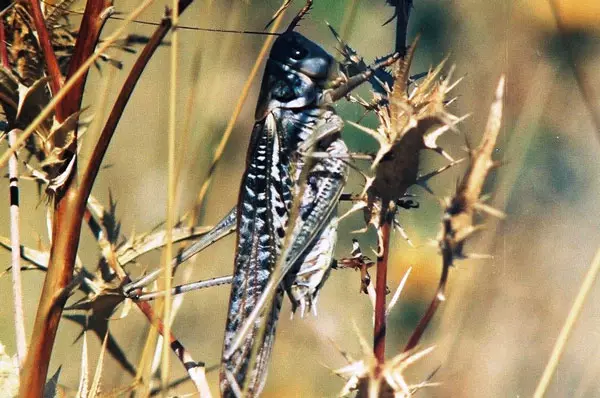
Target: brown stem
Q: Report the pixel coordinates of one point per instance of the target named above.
(89, 32)
(3, 49)
(437, 299)
(65, 238)
(68, 214)
(49, 55)
(93, 166)
(380, 291)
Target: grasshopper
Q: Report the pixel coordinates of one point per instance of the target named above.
(285, 219)
(292, 118)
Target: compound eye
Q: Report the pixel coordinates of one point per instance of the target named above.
(298, 53)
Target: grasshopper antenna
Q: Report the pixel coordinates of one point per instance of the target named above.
(296, 19)
(115, 16)
(301, 14)
(281, 9)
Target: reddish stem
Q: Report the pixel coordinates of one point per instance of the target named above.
(87, 38)
(437, 299)
(3, 49)
(70, 206)
(380, 291)
(49, 55)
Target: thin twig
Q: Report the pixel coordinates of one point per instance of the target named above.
(194, 369)
(440, 295)
(171, 188)
(49, 56)
(13, 176)
(3, 49)
(68, 215)
(87, 38)
(565, 332)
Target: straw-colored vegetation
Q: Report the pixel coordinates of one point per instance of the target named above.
(469, 214)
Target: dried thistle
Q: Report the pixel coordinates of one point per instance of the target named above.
(409, 122)
(373, 379)
(458, 220)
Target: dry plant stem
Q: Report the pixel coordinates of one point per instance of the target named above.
(349, 19)
(168, 253)
(587, 92)
(69, 208)
(194, 369)
(89, 32)
(49, 56)
(440, 296)
(402, 14)
(467, 196)
(561, 342)
(379, 329)
(182, 354)
(13, 176)
(71, 82)
(236, 113)
(3, 50)
(121, 102)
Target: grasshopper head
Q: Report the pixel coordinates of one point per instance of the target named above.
(296, 73)
(302, 55)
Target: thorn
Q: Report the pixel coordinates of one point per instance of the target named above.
(403, 233)
(396, 295)
(444, 154)
(478, 256)
(490, 210)
(428, 176)
(355, 207)
(392, 18)
(423, 184)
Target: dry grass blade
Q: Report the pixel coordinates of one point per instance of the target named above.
(95, 387)
(561, 341)
(171, 192)
(236, 112)
(19, 319)
(82, 390)
(109, 41)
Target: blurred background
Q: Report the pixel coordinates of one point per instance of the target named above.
(494, 334)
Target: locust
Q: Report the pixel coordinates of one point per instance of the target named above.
(286, 216)
(292, 119)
